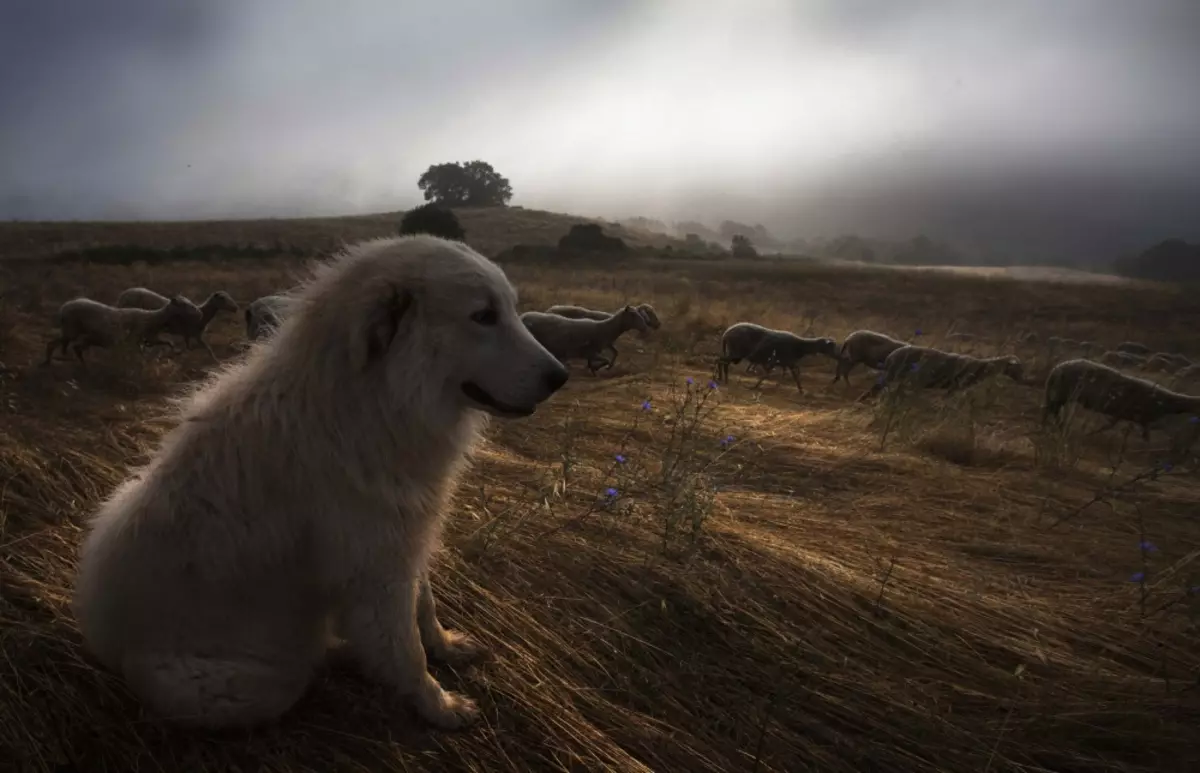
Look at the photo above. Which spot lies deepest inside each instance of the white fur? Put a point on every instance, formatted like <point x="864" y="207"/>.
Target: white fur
<point x="303" y="490"/>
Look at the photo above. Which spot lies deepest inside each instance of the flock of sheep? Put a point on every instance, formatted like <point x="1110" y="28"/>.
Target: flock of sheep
<point x="578" y="333"/>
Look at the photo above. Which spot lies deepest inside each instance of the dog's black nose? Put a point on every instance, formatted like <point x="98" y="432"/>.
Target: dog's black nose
<point x="556" y="378"/>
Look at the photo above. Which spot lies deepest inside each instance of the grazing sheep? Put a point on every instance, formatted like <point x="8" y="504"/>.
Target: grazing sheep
<point x="927" y="368"/>
<point x="1122" y="359"/>
<point x="866" y="347"/>
<point x="84" y="322"/>
<point x="580" y="312"/>
<point x="190" y="328"/>
<point x="1117" y="395"/>
<point x="266" y="314"/>
<point x="568" y="338"/>
<point x="302" y="491"/>
<point x="1188" y="375"/>
<point x="1133" y="347"/>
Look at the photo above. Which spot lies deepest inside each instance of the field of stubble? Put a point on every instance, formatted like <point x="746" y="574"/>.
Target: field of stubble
<point x="674" y="577"/>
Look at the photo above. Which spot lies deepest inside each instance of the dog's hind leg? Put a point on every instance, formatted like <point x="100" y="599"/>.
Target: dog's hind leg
<point x="215" y="692"/>
<point x="446" y="645"/>
<point x="380" y="627"/>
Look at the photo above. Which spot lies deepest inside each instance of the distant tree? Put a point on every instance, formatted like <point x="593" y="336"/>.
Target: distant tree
<point x="432" y="219"/>
<point x="742" y="247"/>
<point x="473" y="184"/>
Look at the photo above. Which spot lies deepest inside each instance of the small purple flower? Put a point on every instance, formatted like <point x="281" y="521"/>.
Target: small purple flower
<point x="727" y="441"/>
<point x="1137" y="576"/>
<point x="646" y="405"/>
<point x="689" y="381"/>
<point x="611" y="493"/>
<point x="620" y="459"/>
<point x="918" y="331"/>
<point x="1147" y="546"/>
<point x="712" y="385"/>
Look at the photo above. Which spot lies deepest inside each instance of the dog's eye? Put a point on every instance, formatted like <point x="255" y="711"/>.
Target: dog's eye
<point x="485" y="317"/>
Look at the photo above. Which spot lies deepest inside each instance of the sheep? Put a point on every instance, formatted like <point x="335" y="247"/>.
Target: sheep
<point x="580" y="312"/>
<point x="568" y="338"/>
<point x="1177" y="359"/>
<point x="267" y="313"/>
<point x="1188" y="375"/>
<point x="768" y="348"/>
<point x="1122" y="359"/>
<point x="928" y="368"/>
<point x="866" y="347"/>
<point x="190" y="328"/>
<point x="85" y="322"/>
<point x="1133" y="347"/>
<point x="1117" y="395"/>
<point x="1161" y="363"/>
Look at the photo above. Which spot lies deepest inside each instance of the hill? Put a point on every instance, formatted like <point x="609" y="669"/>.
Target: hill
<point x="763" y="580"/>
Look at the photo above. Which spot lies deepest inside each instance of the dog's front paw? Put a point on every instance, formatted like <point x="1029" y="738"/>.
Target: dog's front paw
<point x="457" y="647"/>
<point x="446" y="710"/>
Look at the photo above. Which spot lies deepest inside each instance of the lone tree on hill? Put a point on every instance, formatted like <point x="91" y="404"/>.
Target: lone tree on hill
<point x="473" y="184"/>
<point x="432" y="219"/>
<point x="742" y="247"/>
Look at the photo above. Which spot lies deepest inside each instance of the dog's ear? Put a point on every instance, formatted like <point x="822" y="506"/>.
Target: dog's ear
<point x="381" y="326"/>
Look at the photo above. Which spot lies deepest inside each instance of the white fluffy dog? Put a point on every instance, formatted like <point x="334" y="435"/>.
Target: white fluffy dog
<point x="302" y="491"/>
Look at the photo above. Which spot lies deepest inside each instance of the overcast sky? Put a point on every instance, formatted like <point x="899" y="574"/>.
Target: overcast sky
<point x="1069" y="123"/>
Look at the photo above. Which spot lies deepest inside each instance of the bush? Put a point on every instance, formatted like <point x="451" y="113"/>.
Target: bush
<point x="590" y="237"/>
<point x="433" y="220"/>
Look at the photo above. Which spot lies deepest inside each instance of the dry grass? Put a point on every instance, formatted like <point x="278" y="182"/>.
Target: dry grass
<point x="801" y="598"/>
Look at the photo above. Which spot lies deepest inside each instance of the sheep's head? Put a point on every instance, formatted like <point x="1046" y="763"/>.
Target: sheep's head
<point x="650" y="315"/>
<point x="827" y="347"/>
<point x="633" y="319"/>
<point x="1013" y="368"/>
<point x="223" y="301"/>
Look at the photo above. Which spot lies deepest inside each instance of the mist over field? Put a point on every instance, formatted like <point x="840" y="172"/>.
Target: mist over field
<point x="1066" y="130"/>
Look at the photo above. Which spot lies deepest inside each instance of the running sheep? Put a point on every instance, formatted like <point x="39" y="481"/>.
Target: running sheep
<point x="580" y="312"/>
<point x="584" y="339"/>
<point x="84" y="323"/>
<point x="926" y="368"/>
<point x="768" y="348"/>
<point x="190" y="328"/>
<point x="1117" y="395"/>
<point x="866" y="347"/>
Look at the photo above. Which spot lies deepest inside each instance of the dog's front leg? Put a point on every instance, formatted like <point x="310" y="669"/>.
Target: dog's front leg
<point x="380" y="626"/>
<point x="446" y="645"/>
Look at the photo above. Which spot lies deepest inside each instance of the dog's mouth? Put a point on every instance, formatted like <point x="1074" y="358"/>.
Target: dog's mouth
<point x="479" y="395"/>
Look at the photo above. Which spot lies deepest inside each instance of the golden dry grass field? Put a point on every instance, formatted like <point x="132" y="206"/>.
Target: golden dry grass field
<point x="758" y="583"/>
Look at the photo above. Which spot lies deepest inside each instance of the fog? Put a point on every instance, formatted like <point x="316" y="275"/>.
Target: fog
<point x="1069" y="128"/>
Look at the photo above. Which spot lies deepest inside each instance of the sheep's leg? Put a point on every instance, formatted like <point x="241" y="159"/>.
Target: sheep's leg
<point x="50" y="348"/>
<point x="209" y="348"/>
<point x="612" y="360"/>
<point x="380" y="627"/>
<point x="795" y="369"/>
<point x="446" y="645"/>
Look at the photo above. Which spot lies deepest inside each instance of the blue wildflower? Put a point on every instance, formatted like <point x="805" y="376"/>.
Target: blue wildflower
<point x="1147" y="546"/>
<point x="712" y="385"/>
<point x="620" y="459"/>
<point x="646" y="405"/>
<point x="918" y="331"/>
<point x="727" y="441"/>
<point x="1138" y="577"/>
<point x="689" y="381"/>
<point x="611" y="493"/>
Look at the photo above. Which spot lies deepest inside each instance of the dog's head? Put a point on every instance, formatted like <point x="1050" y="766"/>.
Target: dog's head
<point x="440" y="320"/>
